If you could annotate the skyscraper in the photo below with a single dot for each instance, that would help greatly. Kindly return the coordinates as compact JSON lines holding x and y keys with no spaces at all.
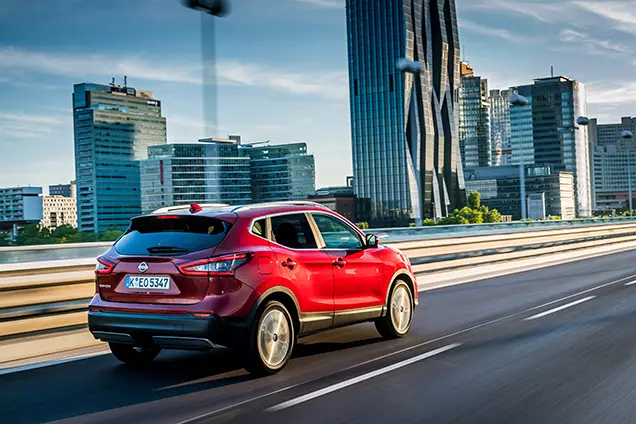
{"x":545,"y":132}
{"x":406,"y":159}
{"x":114,"y":126}
{"x":500,"y":127}
{"x":474,"y":120}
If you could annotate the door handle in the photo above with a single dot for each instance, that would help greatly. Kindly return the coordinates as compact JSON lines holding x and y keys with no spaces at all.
{"x":339,"y":262}
{"x":289,"y":263}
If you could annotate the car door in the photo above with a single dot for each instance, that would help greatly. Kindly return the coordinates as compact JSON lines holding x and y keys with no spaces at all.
{"x":305,"y":268}
{"x":359,"y":293}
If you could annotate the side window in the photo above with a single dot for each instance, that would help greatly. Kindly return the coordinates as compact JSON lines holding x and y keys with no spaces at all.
{"x":337,"y":234}
{"x":293,"y":231}
{"x":259,"y":228}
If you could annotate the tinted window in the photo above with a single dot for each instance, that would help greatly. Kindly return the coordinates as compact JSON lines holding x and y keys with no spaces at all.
{"x":337,"y":234}
{"x":171,"y":236}
{"x":293,"y":231}
{"x":259,"y":228}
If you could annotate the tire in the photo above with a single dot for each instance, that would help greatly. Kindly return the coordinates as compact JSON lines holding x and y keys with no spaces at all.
{"x":271,"y":340}
{"x":132,"y":355}
{"x":399,"y":316}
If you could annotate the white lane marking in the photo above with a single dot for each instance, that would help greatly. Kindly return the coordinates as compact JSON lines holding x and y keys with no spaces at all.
{"x":360,"y":378}
{"x":50,"y":363}
{"x":560,"y":308}
{"x":216,"y":411}
{"x":631,"y":283}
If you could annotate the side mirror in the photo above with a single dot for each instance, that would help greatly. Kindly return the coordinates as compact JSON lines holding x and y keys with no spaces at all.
{"x":372,"y":241}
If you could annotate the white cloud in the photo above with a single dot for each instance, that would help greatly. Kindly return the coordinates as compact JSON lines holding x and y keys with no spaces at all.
{"x":620,"y":12}
{"x":22,"y":126}
{"x":593,"y":45}
{"x":494,"y":32}
{"x":331,"y":4}
{"x":544,"y":11}
{"x":617,"y":94}
{"x":326,"y":84}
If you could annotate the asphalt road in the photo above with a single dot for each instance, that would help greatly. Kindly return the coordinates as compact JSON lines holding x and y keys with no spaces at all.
{"x":555,"y":345}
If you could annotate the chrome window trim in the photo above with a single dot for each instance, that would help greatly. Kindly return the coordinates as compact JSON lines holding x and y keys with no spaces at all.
{"x":269,"y":238}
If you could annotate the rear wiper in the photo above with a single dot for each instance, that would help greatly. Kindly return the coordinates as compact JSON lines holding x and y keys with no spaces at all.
{"x":166,"y":249}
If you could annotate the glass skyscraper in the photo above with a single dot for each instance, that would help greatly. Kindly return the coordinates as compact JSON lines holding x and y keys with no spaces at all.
{"x":405,"y":147}
{"x":114,"y":126}
{"x":545,"y":132}
{"x":474,"y":120}
{"x":500,"y":127}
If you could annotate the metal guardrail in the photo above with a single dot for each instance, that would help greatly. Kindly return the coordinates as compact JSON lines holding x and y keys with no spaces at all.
{"x":43,"y":297}
{"x":51,"y":252}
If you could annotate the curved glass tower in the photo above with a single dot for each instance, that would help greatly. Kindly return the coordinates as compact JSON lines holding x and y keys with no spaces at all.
{"x":405,"y":147}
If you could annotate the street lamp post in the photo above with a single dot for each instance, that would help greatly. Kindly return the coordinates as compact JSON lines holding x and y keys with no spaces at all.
{"x":627,"y":137}
{"x":518,"y":100}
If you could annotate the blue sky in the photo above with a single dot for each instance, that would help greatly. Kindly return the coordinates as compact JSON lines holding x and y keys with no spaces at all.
{"x":281,"y":65}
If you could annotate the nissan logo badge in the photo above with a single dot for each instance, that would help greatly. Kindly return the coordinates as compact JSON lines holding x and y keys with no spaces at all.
{"x":143,"y":267}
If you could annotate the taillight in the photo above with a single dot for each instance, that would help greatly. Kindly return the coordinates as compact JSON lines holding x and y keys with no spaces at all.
{"x":223,"y":265}
{"x":103,"y":267}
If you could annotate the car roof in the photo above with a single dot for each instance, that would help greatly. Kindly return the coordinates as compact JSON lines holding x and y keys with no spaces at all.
{"x":246,"y":211}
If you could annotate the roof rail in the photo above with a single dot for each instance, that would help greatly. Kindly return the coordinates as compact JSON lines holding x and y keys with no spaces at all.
{"x":187,"y":207}
{"x":276,"y":204}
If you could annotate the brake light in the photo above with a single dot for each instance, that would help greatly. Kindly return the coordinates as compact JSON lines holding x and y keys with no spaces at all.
{"x":223,"y":265}
{"x":168,"y":217}
{"x":103,"y":267}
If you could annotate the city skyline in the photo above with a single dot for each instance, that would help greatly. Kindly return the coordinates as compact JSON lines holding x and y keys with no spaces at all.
{"x":292,"y":91}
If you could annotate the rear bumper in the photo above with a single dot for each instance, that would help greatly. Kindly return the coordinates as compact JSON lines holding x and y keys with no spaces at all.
{"x":168,"y":331}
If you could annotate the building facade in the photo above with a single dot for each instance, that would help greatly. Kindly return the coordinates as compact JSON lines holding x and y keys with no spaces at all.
{"x":58,"y":211}
{"x":214,"y":170}
{"x":114,"y":127}
{"x":338,"y":199}
{"x":609,"y":165}
{"x":281,"y":172}
{"x":20,"y":205}
{"x":474,"y":120}
{"x":545,"y":133}
{"x":500,"y":189}
{"x":405,"y":146}
{"x":65,"y":190}
{"x":219,"y":170}
{"x":500,"y":137}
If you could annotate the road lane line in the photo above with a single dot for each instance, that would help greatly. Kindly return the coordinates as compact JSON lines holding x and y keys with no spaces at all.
{"x":560,"y":308}
{"x":360,"y":378}
{"x":631,"y":283}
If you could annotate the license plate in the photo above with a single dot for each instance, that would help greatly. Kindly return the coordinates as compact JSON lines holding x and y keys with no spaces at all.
{"x":147,"y":282}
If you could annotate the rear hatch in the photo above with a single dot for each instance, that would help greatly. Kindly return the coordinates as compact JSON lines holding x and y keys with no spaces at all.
{"x":149,"y":254}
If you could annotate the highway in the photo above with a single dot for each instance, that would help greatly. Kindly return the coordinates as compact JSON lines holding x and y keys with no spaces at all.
{"x":553,"y":345}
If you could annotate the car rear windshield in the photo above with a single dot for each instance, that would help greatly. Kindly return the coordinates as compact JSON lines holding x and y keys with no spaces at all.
{"x":171,"y":235}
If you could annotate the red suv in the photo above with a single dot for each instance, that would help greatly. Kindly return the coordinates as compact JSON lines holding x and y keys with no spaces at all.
{"x":252,"y":278}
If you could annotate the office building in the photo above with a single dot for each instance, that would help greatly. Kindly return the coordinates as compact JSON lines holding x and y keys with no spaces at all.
{"x":500,"y":189}
{"x":545,"y":133}
{"x":114,"y":127}
{"x":474,"y":120}
{"x":610,"y":176}
{"x":281,"y":172}
{"x":65,"y":190}
{"x":500,"y":127}
{"x":58,"y":211}
{"x":215,"y":170}
{"x":338,"y":199}
{"x":405,"y":146}
{"x":20,"y":205}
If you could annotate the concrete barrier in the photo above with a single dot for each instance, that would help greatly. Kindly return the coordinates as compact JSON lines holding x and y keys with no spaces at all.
{"x":43,"y":304}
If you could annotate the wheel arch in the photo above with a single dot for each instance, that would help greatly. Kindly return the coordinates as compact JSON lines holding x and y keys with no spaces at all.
{"x":399,"y":275}
{"x":282,"y":295}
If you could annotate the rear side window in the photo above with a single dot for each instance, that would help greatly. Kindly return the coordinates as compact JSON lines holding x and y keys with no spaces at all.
{"x":293,"y":231}
{"x":171,"y":235}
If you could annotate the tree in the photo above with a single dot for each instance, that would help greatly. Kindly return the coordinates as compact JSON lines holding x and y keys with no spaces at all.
{"x":474,"y":200}
{"x":5,"y":240}
{"x":492,"y":216}
{"x":111,"y":234}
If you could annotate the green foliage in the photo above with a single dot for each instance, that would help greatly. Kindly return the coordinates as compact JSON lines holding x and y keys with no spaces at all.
{"x":362,"y":225}
{"x":453,"y":220}
{"x":428,"y":223}
{"x":474,"y":200}
{"x":492,"y":217}
{"x":412,"y":224}
{"x":111,"y":234}
{"x":32,"y":234}
{"x":5,"y":240}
